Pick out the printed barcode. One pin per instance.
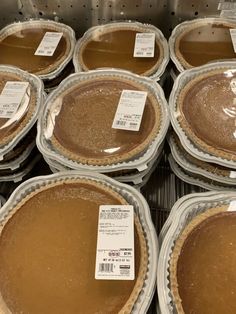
(106, 268)
(119, 122)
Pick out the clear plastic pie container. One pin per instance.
(176, 207)
(198, 147)
(186, 211)
(15, 128)
(15, 163)
(197, 179)
(45, 67)
(154, 71)
(21, 173)
(193, 165)
(199, 39)
(132, 196)
(139, 160)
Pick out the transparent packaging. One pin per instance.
(203, 210)
(189, 163)
(19, 42)
(112, 46)
(203, 112)
(90, 142)
(14, 128)
(128, 193)
(198, 179)
(200, 41)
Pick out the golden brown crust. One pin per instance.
(177, 250)
(178, 54)
(134, 28)
(123, 156)
(187, 128)
(142, 242)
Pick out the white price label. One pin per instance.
(130, 109)
(11, 97)
(115, 243)
(232, 174)
(144, 45)
(233, 37)
(227, 5)
(48, 44)
(232, 206)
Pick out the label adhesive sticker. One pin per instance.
(115, 243)
(11, 98)
(227, 5)
(232, 206)
(48, 44)
(144, 45)
(233, 37)
(130, 110)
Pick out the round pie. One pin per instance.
(48, 252)
(204, 41)
(82, 130)
(19, 44)
(113, 47)
(202, 265)
(207, 112)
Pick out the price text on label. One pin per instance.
(130, 110)
(144, 45)
(115, 243)
(48, 44)
(11, 98)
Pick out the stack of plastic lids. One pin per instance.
(41, 47)
(82, 127)
(21, 97)
(132, 46)
(193, 217)
(203, 115)
(201, 41)
(79, 196)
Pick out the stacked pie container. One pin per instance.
(201, 153)
(18, 153)
(140, 150)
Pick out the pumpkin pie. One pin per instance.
(207, 114)
(82, 127)
(202, 265)
(48, 252)
(113, 47)
(8, 129)
(18, 47)
(204, 41)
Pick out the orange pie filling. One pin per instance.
(48, 252)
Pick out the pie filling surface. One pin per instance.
(115, 49)
(206, 277)
(18, 49)
(208, 106)
(48, 252)
(206, 43)
(84, 125)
